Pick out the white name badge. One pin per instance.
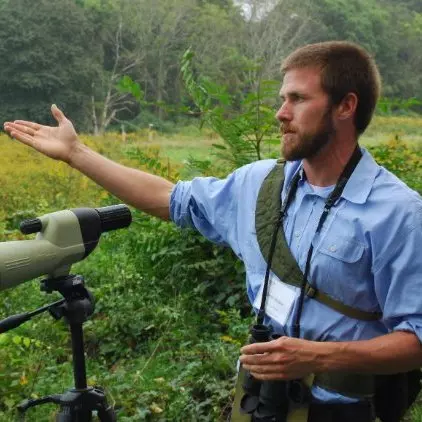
(280, 299)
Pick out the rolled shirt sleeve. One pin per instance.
(398, 272)
(223, 210)
(207, 204)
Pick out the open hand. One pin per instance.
(55, 142)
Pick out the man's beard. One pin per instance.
(308, 145)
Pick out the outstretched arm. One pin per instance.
(144, 191)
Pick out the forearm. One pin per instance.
(142, 190)
(396, 352)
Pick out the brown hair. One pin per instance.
(345, 67)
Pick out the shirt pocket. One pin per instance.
(344, 249)
(339, 266)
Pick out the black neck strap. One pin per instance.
(329, 203)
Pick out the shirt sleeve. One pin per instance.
(222, 210)
(398, 275)
(208, 205)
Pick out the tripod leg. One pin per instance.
(79, 368)
(107, 415)
(67, 414)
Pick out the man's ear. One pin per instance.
(347, 107)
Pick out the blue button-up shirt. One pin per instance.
(366, 255)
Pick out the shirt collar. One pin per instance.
(360, 183)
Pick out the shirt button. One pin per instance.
(297, 234)
(333, 248)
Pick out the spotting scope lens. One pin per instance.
(114, 217)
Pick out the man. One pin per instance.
(364, 255)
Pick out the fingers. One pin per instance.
(22, 131)
(22, 127)
(57, 114)
(268, 372)
(264, 369)
(271, 376)
(22, 136)
(256, 348)
(21, 124)
(262, 359)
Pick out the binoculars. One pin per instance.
(270, 401)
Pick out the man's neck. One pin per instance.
(325, 168)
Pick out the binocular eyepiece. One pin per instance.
(269, 401)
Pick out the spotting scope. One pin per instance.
(63, 238)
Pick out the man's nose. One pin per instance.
(284, 113)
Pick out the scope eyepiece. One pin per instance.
(32, 225)
(94, 221)
(114, 217)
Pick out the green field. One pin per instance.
(192, 141)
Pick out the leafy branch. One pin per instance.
(242, 125)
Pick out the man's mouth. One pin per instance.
(286, 130)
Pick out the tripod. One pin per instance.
(78, 403)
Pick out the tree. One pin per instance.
(51, 58)
(214, 34)
(159, 36)
(389, 30)
(274, 28)
(108, 101)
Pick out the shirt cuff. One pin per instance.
(414, 327)
(177, 207)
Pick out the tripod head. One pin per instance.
(63, 238)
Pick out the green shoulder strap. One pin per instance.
(283, 263)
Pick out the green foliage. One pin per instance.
(164, 338)
(49, 59)
(81, 54)
(150, 160)
(390, 31)
(171, 314)
(243, 127)
(127, 85)
(401, 159)
(178, 323)
(389, 106)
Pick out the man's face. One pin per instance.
(305, 114)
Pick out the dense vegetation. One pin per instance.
(76, 52)
(171, 312)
